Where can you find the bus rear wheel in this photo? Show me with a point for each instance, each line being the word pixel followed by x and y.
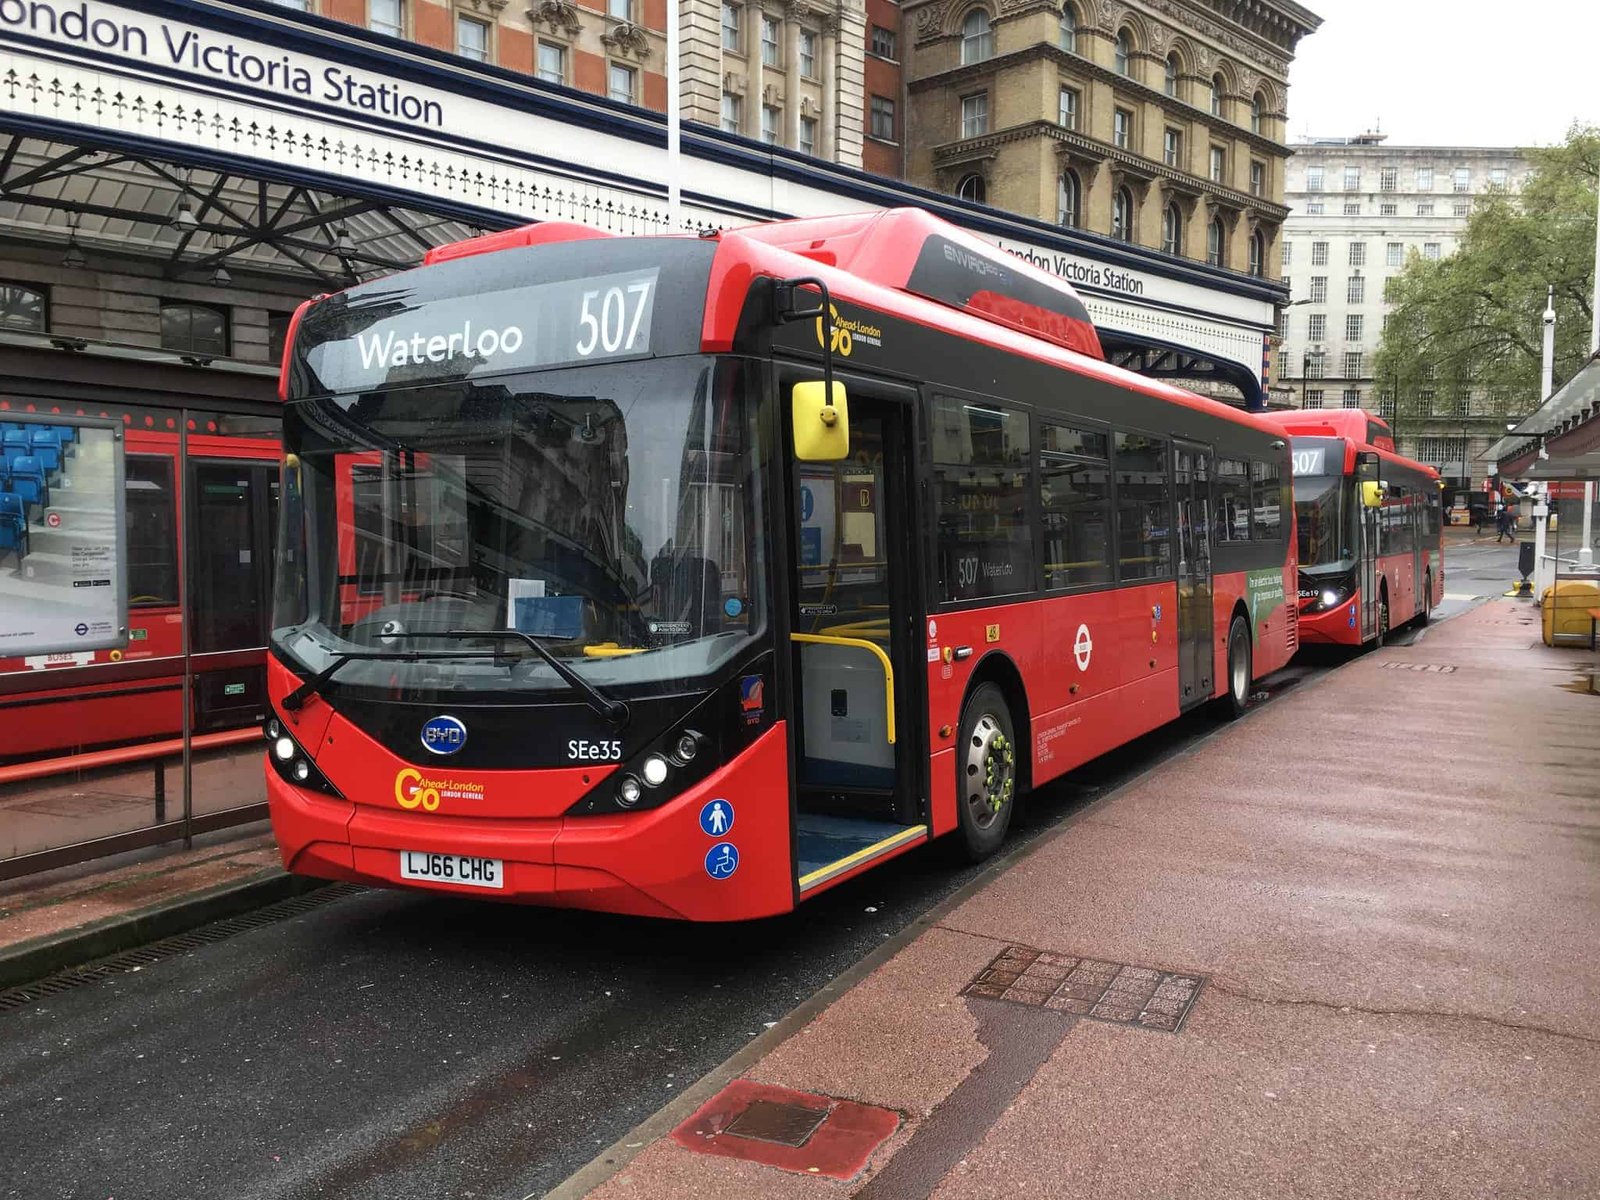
pixel 986 773
pixel 1240 673
pixel 1426 612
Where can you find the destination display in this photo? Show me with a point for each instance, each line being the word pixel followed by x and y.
pixel 367 339
pixel 63 546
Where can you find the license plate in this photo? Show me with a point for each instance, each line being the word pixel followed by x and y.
pixel 452 868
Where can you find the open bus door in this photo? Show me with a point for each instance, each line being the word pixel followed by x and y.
pixel 1196 642
pixel 853 608
pixel 1369 507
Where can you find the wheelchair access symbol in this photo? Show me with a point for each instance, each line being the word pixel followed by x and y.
pixel 722 860
pixel 716 818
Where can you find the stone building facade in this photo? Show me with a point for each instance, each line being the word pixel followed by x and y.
pixel 787 72
pixel 1358 210
pixel 1158 122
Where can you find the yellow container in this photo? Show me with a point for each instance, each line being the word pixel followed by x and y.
pixel 1565 609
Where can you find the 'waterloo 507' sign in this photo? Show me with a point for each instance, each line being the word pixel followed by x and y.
pixel 187 49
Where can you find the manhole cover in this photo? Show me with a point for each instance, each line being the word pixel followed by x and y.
pixel 783 1124
pixel 1106 991
pixel 1434 668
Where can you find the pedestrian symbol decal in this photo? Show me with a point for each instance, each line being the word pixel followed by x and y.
pixel 716 818
pixel 722 860
pixel 1082 647
pixel 808 503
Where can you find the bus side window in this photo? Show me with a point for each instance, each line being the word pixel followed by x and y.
pixel 152 532
pixel 982 475
pixel 1233 500
pixel 1075 499
pixel 1144 508
pixel 1266 501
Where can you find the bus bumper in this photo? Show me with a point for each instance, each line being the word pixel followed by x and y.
pixel 1336 626
pixel 650 863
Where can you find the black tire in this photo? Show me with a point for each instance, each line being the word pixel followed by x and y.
pixel 1241 675
pixel 1383 619
pixel 986 773
pixel 1425 614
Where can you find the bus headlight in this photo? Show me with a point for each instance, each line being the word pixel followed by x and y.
pixel 294 765
pixel 273 730
pixel 628 791
pixel 302 770
pixel 687 748
pixel 654 770
pixel 283 749
pixel 1329 598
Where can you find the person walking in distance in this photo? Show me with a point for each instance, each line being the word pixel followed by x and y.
pixel 1502 525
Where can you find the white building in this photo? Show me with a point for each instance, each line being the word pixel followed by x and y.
pixel 1357 210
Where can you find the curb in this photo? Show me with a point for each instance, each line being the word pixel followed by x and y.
pixel 37 957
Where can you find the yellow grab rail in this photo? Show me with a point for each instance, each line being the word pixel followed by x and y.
pixel 822 639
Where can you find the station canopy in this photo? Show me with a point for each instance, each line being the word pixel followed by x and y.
pixel 203 224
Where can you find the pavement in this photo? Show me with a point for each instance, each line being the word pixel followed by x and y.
pixel 1338 949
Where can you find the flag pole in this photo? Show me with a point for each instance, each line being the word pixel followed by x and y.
pixel 674 121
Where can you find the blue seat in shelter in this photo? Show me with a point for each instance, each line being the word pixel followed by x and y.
pixel 13 525
pixel 14 440
pixel 28 480
pixel 45 445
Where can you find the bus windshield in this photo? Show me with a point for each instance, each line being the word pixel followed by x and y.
pixel 609 511
pixel 1319 508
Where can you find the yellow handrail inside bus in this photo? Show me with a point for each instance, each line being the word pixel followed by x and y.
pixel 822 639
pixel 867 629
pixel 610 650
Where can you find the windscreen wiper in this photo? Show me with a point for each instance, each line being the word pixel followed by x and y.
pixel 614 711
pixel 315 683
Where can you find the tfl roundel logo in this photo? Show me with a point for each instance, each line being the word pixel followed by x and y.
pixel 444 735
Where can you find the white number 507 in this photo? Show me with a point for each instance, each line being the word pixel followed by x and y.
pixel 609 327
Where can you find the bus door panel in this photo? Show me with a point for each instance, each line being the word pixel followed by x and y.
pixel 1196 643
pixel 1368 572
pixel 852 595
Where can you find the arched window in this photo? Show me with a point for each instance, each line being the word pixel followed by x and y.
pixel 1172 229
pixel 23 309
pixel 972 187
pixel 1171 83
pixel 1258 253
pixel 1218 86
pixel 1215 245
pixel 1124 51
pixel 1069 200
pixel 977 38
pixel 1255 113
pixel 1122 215
pixel 1069 29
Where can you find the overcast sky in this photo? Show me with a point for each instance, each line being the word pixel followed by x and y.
pixel 1447 72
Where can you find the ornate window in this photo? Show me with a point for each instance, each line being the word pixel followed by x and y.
pixel 621 83
pixel 386 16
pixel 972 187
pixel 1122 215
pixel 1258 253
pixel 1170 83
pixel 977 37
pixel 730 26
pixel 1216 242
pixel 975 115
pixel 1255 113
pixel 1067 113
pixel 1069 200
pixel 1172 229
pixel 1069 29
pixel 732 112
pixel 472 39
pixel 552 63
pixel 771 50
pixel 1124 52
pixel 1218 86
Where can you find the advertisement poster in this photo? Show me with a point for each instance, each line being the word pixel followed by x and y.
pixel 63 552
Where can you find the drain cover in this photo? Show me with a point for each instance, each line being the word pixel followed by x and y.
pixel 1435 668
pixel 1106 991
pixel 782 1124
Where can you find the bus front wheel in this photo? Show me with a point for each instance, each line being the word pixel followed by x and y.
pixel 1240 673
pixel 1426 613
pixel 986 773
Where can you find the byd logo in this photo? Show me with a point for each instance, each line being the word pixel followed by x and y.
pixel 444 735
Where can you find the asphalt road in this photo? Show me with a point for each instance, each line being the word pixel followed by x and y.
pixel 393 1044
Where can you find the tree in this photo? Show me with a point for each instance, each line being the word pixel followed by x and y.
pixel 1472 322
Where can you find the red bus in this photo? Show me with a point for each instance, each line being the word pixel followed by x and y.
pixel 221 502
pixel 1370 528
pixel 693 576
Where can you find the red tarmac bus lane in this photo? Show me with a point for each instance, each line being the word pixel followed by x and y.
pixel 1384 932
